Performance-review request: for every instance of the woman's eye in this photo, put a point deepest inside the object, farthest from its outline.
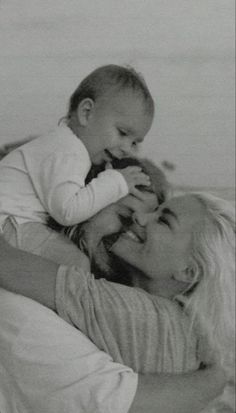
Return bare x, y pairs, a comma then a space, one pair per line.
122, 132
163, 220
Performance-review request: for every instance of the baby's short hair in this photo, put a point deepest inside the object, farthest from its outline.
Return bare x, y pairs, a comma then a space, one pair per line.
106, 77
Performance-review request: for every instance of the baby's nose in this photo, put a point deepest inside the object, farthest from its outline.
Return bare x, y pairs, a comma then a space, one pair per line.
127, 149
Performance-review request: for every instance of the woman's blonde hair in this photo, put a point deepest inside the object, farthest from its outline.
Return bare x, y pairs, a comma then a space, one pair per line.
211, 305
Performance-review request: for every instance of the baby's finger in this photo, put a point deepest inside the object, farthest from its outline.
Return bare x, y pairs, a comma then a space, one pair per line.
142, 179
108, 165
134, 168
134, 191
138, 194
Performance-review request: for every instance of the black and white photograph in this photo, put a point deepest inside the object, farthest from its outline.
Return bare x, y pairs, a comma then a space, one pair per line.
117, 206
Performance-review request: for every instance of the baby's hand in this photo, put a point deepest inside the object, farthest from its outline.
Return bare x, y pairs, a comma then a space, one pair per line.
134, 176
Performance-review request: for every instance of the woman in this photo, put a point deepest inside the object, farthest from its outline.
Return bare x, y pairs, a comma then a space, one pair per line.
171, 288
167, 246
203, 276
185, 248
190, 239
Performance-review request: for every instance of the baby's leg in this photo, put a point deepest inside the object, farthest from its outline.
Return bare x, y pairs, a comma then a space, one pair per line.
40, 240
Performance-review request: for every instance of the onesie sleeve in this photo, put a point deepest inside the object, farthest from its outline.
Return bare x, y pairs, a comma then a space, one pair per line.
64, 194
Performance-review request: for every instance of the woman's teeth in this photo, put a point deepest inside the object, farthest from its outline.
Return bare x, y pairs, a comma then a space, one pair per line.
131, 235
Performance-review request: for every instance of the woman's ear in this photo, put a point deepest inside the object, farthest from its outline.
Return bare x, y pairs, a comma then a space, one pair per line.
84, 111
186, 275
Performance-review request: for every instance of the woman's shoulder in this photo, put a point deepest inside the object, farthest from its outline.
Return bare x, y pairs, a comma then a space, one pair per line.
137, 298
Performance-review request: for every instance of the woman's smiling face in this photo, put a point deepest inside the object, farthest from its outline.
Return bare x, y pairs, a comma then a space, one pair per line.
158, 243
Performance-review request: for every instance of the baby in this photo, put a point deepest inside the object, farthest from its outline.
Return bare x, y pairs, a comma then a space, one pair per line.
109, 114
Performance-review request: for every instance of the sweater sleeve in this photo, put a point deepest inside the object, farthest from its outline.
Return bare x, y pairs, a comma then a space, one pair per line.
145, 334
64, 194
90, 304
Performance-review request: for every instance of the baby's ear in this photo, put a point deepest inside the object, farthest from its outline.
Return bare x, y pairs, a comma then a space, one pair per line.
84, 111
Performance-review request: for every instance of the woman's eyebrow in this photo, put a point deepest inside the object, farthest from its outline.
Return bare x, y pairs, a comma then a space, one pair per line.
168, 211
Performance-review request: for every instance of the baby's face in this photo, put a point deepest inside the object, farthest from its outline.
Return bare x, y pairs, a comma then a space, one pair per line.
117, 125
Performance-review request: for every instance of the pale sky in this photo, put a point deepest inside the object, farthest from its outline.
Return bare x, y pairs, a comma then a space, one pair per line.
184, 49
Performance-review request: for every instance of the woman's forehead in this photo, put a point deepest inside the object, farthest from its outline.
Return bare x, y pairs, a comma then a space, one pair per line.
147, 202
184, 207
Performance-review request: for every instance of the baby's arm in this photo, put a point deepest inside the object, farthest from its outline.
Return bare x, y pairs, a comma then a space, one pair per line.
64, 195
61, 188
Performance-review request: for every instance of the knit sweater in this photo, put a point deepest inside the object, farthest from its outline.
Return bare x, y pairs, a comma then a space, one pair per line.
148, 333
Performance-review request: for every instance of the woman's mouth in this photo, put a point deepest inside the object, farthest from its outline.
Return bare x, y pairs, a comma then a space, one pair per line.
109, 240
133, 236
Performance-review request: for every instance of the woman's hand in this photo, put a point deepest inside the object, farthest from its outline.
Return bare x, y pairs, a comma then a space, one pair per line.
219, 374
206, 354
178, 393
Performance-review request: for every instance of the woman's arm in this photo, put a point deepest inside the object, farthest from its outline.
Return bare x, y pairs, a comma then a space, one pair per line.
182, 393
27, 274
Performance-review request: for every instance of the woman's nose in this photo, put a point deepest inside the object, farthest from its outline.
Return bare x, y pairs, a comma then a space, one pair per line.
140, 218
